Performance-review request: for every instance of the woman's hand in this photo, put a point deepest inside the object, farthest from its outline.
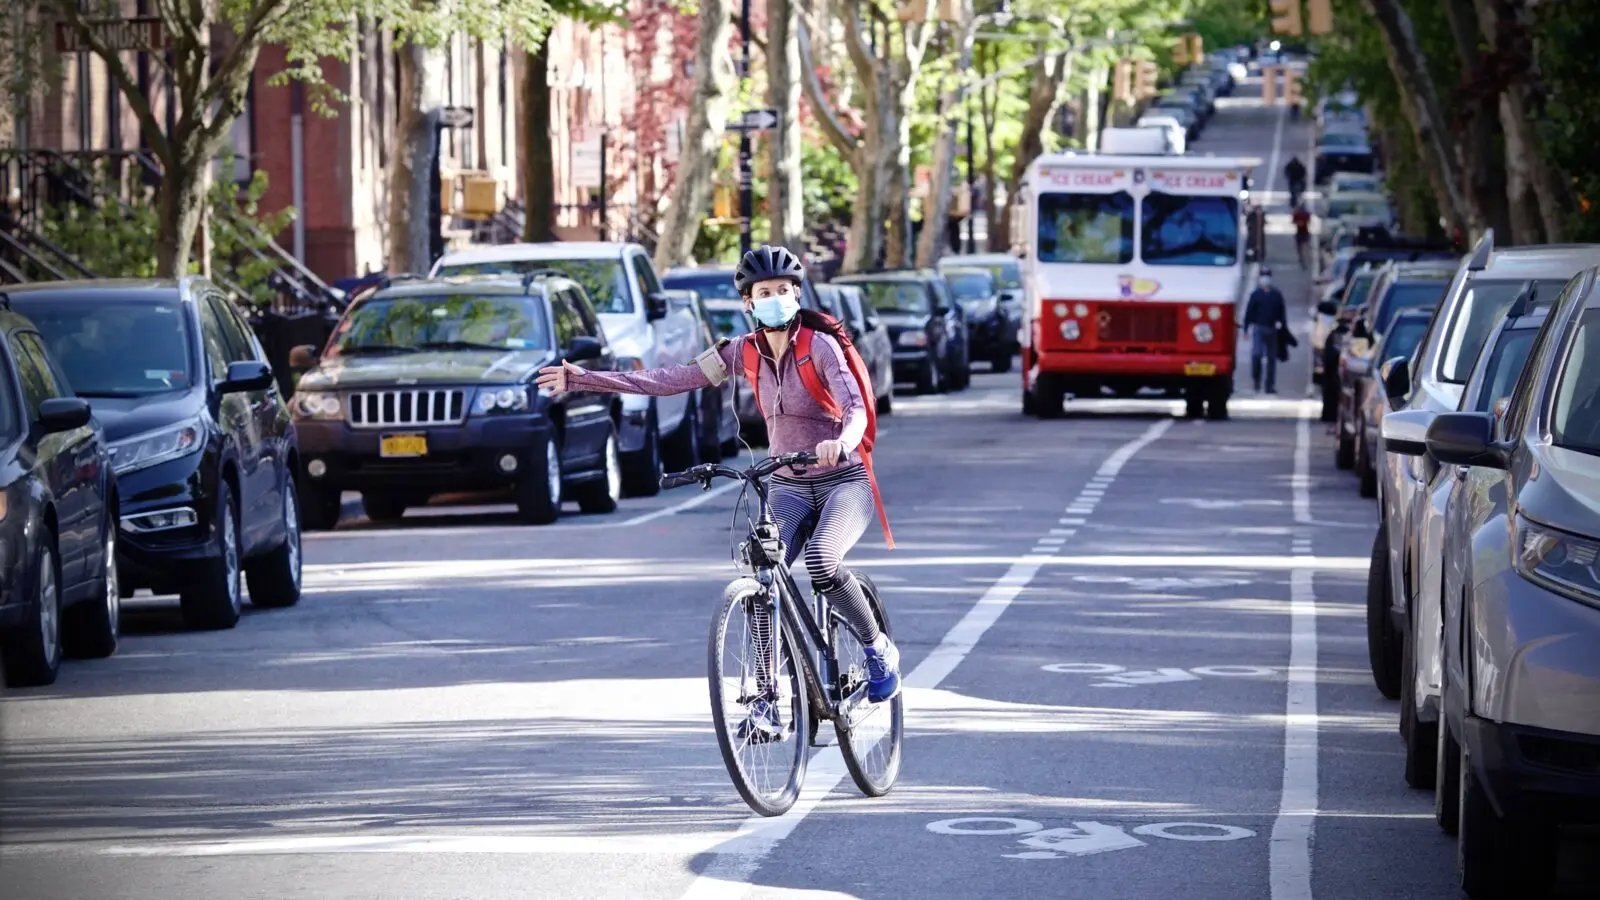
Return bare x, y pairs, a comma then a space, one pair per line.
554, 378
830, 452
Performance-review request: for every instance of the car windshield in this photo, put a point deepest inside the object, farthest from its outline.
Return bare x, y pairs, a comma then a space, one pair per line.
1402, 340
1576, 423
1482, 305
602, 279
114, 346
447, 322
1356, 185
897, 296
1190, 231
10, 426
1007, 276
1407, 295
1503, 366
1086, 228
709, 285
1344, 139
729, 323
1340, 207
1360, 287
970, 285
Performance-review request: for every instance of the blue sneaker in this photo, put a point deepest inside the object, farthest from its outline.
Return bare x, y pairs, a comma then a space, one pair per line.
883, 669
763, 725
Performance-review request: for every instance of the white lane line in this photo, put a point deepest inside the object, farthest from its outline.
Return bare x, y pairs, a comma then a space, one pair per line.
734, 862
1277, 150
1289, 861
1072, 521
691, 503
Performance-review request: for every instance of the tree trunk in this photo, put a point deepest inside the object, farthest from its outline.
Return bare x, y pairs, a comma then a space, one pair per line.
1044, 95
1505, 24
702, 145
1092, 123
179, 201
1485, 183
784, 193
1423, 112
1521, 201
416, 141
897, 249
989, 99
538, 157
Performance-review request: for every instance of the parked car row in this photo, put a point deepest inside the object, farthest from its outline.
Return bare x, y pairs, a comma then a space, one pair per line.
145, 445
1483, 594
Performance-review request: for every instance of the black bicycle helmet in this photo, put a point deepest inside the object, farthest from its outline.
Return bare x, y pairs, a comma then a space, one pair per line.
764, 262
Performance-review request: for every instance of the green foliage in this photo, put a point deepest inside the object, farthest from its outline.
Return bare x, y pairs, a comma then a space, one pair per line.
116, 237
1567, 35
1228, 23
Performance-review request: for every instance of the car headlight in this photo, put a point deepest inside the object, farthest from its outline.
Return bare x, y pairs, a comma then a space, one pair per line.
1069, 329
912, 339
317, 405
512, 398
1203, 333
1561, 561
153, 447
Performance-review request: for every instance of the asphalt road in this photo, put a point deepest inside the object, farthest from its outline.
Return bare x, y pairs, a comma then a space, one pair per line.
1113, 625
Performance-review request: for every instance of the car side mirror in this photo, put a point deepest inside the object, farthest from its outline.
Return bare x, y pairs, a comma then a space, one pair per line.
1406, 432
303, 358
584, 347
246, 376
60, 414
655, 306
1467, 439
1396, 375
1328, 308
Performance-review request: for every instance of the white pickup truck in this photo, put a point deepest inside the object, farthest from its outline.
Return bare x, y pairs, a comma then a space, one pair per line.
643, 329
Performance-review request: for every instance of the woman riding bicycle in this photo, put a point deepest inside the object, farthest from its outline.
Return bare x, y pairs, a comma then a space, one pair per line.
834, 499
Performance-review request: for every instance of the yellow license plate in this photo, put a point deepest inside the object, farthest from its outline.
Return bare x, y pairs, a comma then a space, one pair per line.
1200, 369
403, 445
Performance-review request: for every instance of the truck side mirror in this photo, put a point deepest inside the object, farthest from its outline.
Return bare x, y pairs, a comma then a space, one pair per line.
655, 306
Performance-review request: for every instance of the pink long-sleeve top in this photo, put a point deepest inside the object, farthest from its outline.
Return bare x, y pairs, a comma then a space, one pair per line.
795, 421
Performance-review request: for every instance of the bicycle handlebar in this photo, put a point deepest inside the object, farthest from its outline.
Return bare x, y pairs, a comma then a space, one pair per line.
702, 474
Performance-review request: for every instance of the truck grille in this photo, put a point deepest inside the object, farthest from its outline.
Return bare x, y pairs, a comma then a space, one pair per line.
1139, 324
382, 409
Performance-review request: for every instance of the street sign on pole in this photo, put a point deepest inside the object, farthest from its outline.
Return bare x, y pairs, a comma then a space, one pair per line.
755, 120
140, 33
746, 200
456, 116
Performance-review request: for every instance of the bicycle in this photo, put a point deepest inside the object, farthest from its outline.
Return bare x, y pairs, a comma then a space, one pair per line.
822, 687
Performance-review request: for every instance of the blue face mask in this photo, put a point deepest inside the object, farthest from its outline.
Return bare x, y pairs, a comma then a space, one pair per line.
776, 312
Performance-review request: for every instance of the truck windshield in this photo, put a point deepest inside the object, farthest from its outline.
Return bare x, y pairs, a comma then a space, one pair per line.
1576, 424
1482, 305
602, 279
455, 322
1086, 228
1189, 231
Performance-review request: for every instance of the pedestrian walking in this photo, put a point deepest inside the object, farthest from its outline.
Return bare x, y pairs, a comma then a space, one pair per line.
1302, 234
1264, 314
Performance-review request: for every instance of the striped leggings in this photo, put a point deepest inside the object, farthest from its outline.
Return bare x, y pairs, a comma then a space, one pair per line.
835, 508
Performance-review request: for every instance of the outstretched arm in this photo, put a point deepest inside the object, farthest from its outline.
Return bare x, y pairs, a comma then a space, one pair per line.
691, 376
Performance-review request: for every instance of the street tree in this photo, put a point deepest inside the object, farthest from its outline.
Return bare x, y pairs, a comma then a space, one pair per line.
214, 50
712, 97
785, 194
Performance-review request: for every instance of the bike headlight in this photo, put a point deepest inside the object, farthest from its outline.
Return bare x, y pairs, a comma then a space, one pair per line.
912, 339
317, 405
502, 399
1562, 562
153, 447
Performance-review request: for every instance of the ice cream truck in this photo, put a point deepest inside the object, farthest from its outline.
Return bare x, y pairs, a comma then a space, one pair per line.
1132, 267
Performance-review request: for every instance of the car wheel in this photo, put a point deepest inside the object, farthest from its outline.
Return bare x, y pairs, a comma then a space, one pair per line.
539, 492
710, 432
93, 628
1383, 644
215, 593
886, 404
602, 495
1001, 361
1446, 776
682, 449
1499, 856
1365, 471
383, 507
1421, 738
1049, 396
32, 654
641, 469
274, 580
928, 378
1217, 399
320, 508
1344, 456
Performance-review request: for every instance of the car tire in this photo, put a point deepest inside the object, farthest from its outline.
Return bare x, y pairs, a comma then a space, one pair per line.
642, 469
1446, 777
214, 596
1383, 644
1030, 406
1049, 397
1421, 738
928, 378
1344, 456
602, 495
1217, 399
92, 629
1001, 362
538, 493
383, 507
274, 580
320, 508
682, 449
1365, 471
885, 404
1499, 856
32, 654
710, 431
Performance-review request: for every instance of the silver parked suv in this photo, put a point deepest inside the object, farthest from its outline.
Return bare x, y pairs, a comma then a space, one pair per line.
1412, 488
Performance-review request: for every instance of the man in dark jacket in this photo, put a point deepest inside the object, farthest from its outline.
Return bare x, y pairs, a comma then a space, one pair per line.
1264, 313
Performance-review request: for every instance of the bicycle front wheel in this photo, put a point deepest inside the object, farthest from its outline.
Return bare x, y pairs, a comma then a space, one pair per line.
758, 703
871, 734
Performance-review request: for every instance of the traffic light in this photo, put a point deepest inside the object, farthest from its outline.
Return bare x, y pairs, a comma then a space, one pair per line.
1286, 18
1197, 46
1145, 79
1291, 87
1180, 52
1320, 16
1269, 85
1122, 83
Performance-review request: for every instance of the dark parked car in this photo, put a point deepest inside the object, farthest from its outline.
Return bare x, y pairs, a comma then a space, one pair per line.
717, 405
427, 387
871, 339
1372, 393
925, 324
989, 329
58, 516
201, 441
729, 320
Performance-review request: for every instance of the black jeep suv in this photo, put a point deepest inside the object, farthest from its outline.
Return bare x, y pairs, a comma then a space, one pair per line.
427, 387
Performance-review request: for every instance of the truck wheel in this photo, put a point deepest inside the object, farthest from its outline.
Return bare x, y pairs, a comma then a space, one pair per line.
1029, 407
1194, 402
600, 496
383, 507
1049, 394
319, 507
641, 469
1217, 399
538, 494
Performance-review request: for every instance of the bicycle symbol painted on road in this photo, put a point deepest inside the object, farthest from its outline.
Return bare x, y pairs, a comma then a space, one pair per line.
1120, 676
1084, 838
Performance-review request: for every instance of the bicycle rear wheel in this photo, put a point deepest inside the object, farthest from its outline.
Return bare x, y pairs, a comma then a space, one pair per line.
767, 766
871, 735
